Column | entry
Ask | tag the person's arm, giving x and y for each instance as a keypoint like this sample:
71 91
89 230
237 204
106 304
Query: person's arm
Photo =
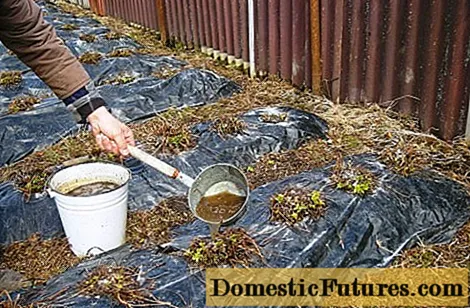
24 31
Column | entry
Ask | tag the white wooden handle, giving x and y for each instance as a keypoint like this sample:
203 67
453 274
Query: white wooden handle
161 166
153 162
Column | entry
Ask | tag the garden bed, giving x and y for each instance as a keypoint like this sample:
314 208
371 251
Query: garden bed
332 186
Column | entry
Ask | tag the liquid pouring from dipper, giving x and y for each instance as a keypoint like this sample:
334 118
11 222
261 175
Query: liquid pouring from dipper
217 196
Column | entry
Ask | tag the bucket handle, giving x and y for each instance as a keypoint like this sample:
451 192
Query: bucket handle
161 166
51 193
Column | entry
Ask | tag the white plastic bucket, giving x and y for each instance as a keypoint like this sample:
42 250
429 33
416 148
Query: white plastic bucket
92 224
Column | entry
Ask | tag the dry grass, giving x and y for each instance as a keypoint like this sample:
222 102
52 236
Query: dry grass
228 126
37 259
122 52
9 302
166 72
23 103
70 27
165 135
274 117
153 227
121 78
113 35
10 78
121 284
274 166
89 38
231 247
90 57
453 255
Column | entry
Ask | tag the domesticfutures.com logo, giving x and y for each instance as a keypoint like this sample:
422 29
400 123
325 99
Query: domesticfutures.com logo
337 287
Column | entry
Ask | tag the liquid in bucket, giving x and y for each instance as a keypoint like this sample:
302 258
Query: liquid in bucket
89 189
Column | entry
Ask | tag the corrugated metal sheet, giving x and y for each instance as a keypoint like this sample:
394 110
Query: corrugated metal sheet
141 12
409 54
220 27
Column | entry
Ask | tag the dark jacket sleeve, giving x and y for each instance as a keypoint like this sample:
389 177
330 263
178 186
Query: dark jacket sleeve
24 31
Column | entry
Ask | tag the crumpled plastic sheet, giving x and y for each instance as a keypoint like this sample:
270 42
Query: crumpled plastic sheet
425 207
19 219
146 96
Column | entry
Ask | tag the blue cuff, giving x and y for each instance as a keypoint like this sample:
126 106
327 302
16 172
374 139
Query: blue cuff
75 96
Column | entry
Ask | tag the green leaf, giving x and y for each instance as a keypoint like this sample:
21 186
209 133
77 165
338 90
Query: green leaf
299 207
197 256
316 198
279 198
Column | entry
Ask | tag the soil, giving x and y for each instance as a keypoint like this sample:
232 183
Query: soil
294 205
231 247
219 207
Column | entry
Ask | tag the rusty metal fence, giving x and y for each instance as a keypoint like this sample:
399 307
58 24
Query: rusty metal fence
409 54
140 12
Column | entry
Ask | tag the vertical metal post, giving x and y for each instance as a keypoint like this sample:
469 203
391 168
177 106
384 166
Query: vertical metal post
162 20
285 45
467 130
315 45
251 36
273 26
298 42
244 33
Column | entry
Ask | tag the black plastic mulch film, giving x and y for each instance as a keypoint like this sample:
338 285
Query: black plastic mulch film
146 95
401 211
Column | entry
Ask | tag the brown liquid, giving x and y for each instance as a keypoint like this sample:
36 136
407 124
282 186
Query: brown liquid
92 189
219 207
